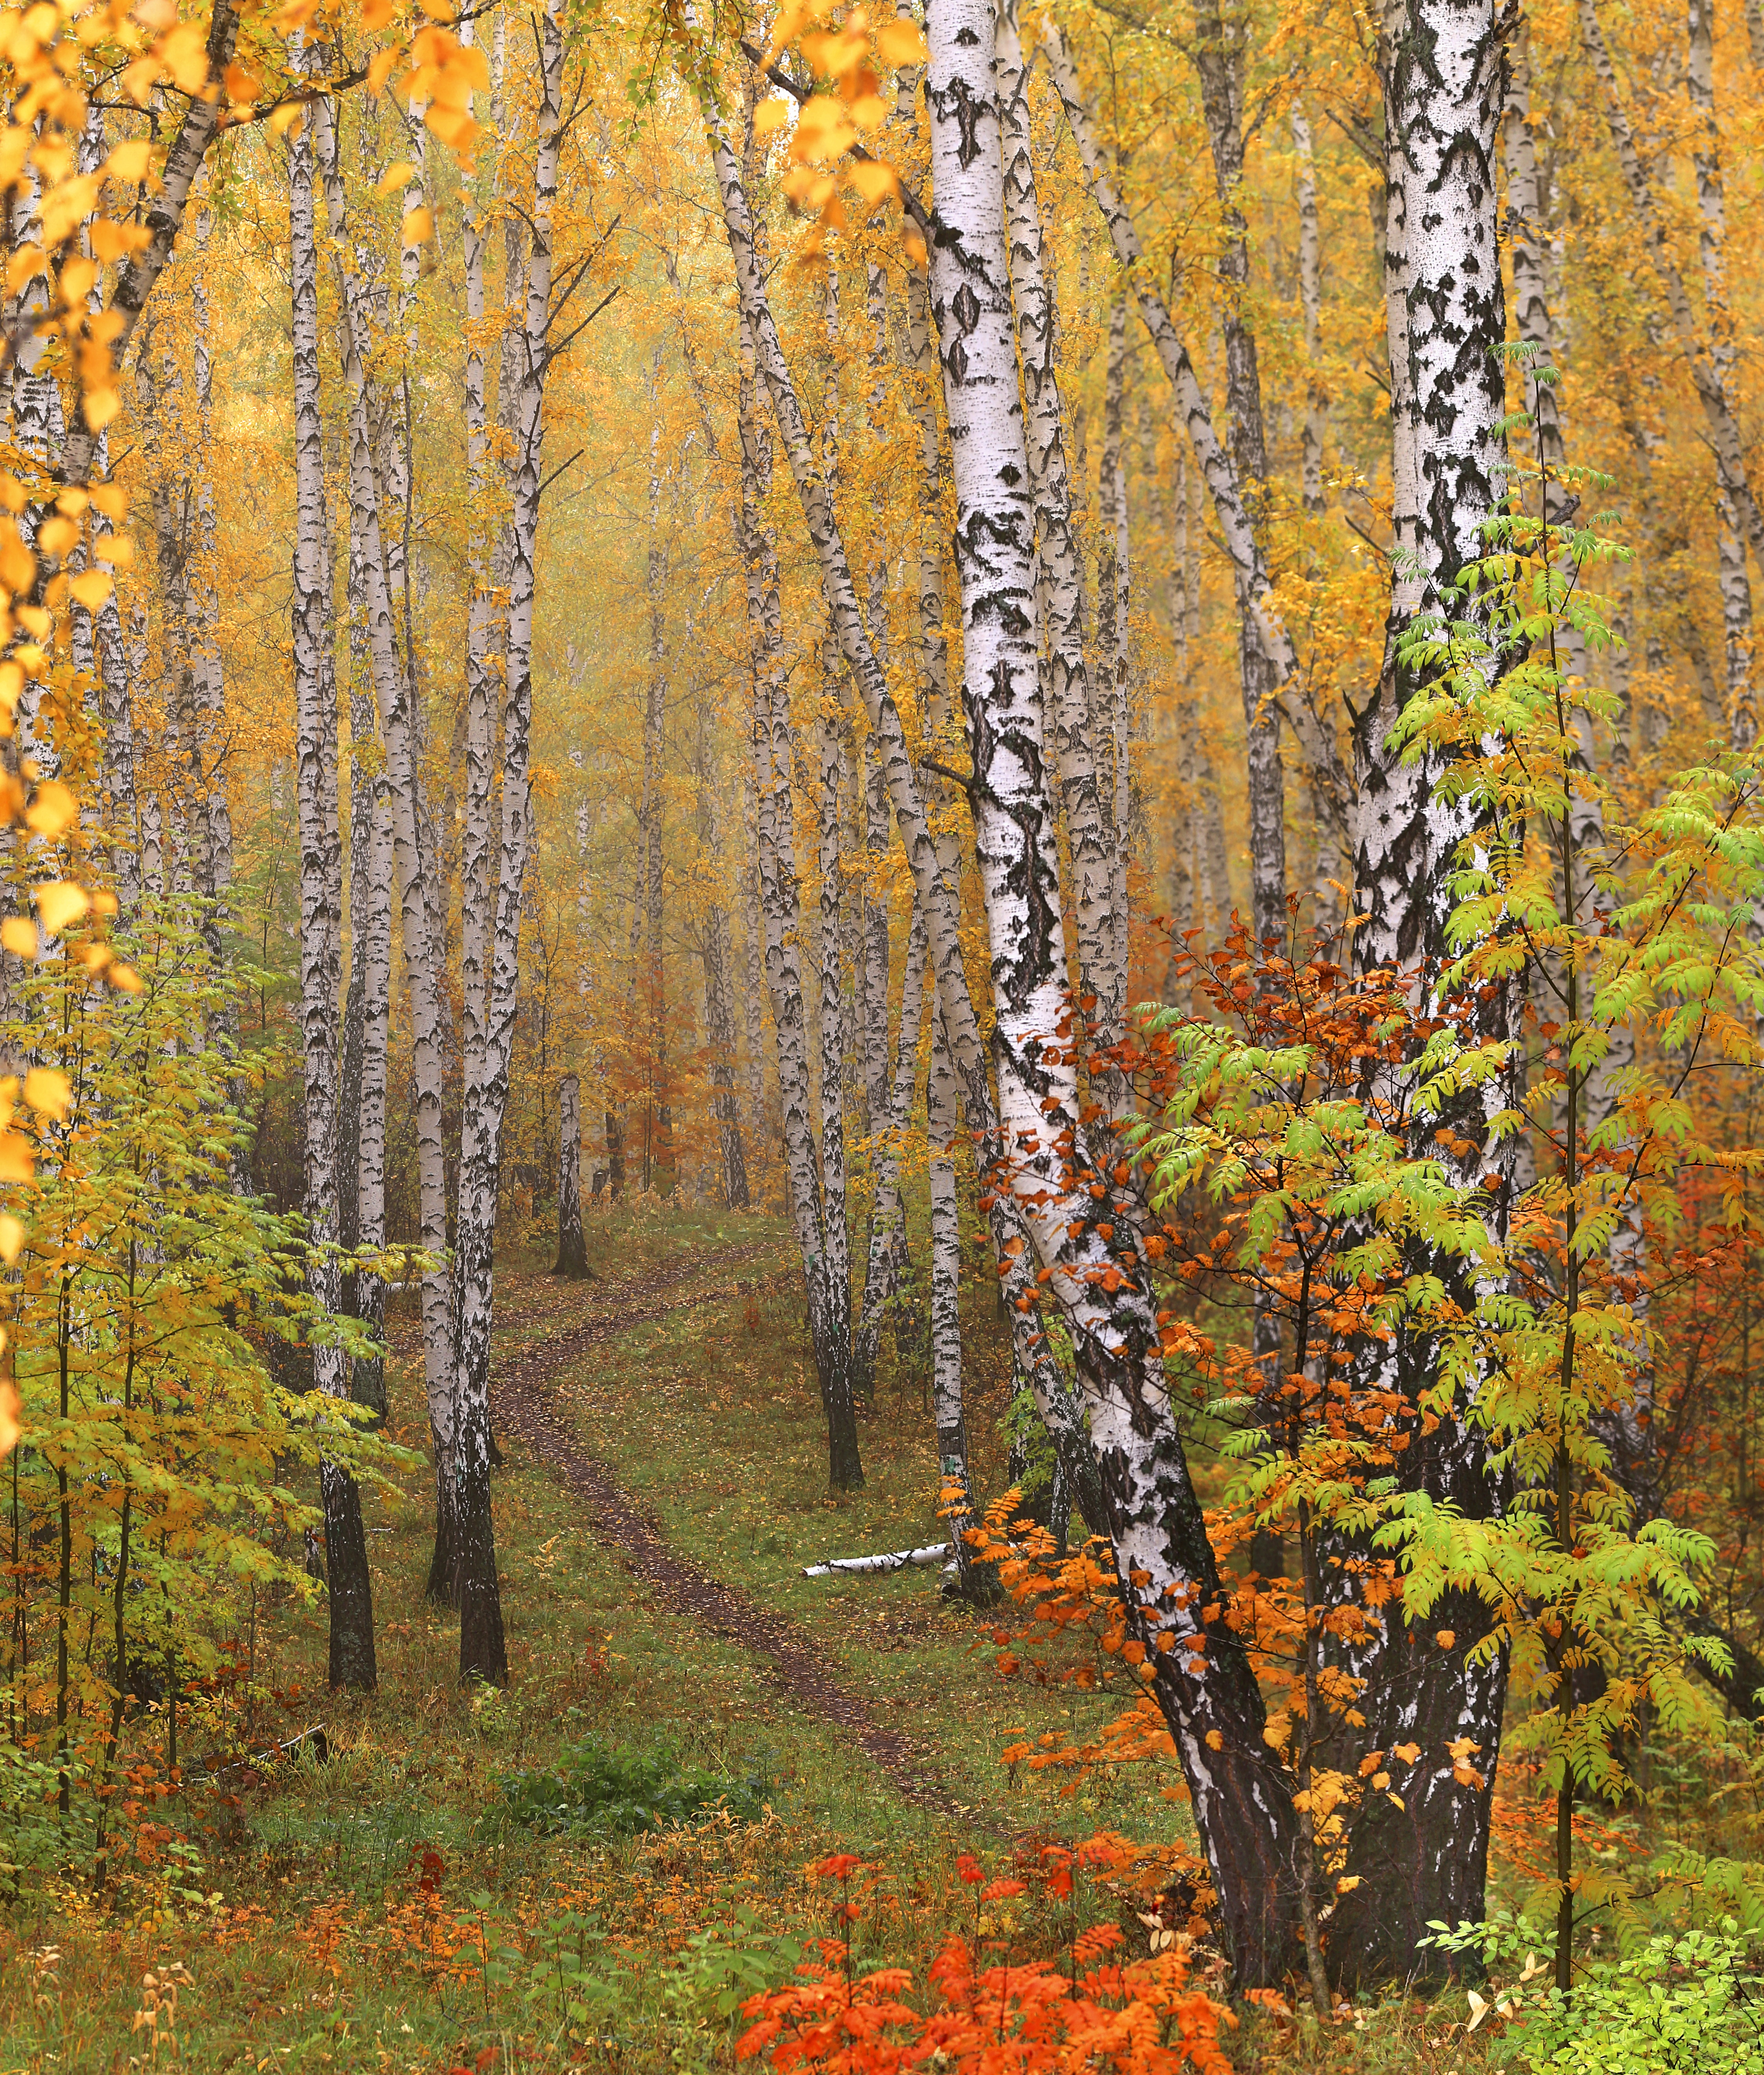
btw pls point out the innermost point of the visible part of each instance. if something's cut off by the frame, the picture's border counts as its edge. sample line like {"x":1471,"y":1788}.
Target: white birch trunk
{"x":350,"y":1594}
{"x":398,"y":736}
{"x":571,"y":1250}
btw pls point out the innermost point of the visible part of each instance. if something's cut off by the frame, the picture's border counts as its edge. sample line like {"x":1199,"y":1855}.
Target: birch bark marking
{"x":846,"y":1465}
{"x":350,"y":1591}
{"x":934,"y":886}
{"x":399,"y":739}
{"x":1428,"y":1861}
{"x":1232,"y":507}
{"x":719,"y":988}
{"x":572,"y":1248}
{"x":1204,"y":1684}
{"x":1311,"y":308}
{"x":483,"y":1653}
{"x":1087,"y":826}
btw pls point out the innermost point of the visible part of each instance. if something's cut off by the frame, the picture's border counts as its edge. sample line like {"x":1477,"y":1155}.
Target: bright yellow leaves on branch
{"x":833,"y":122}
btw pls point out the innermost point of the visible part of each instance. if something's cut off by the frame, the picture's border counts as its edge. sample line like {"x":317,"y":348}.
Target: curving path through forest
{"x":523,"y":1407}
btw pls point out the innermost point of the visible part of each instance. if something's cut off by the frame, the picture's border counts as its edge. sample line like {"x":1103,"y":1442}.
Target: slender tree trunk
{"x":572,"y":1251}
{"x":1089,"y":832}
{"x":483,"y":1653}
{"x":399,"y":738}
{"x":351,"y":1597}
{"x":1274,"y":669}
{"x":881,"y":1280}
{"x":719,"y":996}
{"x":1310,"y":447}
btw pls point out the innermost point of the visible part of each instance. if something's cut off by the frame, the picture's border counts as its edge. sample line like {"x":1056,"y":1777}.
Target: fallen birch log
{"x":891,"y":1560}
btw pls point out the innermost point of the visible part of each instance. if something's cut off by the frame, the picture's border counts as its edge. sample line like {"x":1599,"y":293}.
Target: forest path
{"x":522,"y":1406}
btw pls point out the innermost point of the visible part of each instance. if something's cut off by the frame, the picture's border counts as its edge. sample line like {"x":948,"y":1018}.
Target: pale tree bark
{"x":836,"y":1292}
{"x":350,"y":1591}
{"x":212,"y":747}
{"x":887,"y":1240}
{"x":1718,"y":404}
{"x":956,"y":1493}
{"x":718,"y":990}
{"x":1310,"y":310}
{"x":753,"y":934}
{"x":657,"y":1133}
{"x":400,"y":742}
{"x":366,"y":1022}
{"x":1712,"y":245}
{"x":1055,"y":1401}
{"x":1272,"y":670}
{"x":572,"y":1250}
{"x":1203,"y":1684}
{"x":1115,"y":617}
{"x":1088,"y":823}
{"x":483,"y":1652}
{"x":1426,"y":1860}
{"x":781,"y":903}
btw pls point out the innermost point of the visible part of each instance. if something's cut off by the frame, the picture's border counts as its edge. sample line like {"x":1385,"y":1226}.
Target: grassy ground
{"x":379,"y":1911}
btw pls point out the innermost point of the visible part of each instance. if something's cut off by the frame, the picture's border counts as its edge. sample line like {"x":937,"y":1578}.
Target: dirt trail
{"x":523,"y":1408}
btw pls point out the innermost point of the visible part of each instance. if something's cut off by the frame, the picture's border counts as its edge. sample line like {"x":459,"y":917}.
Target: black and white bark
{"x":399,"y":743}
{"x":572,"y":1250}
{"x":1089,"y":824}
{"x":1426,"y":1860}
{"x":719,"y":988}
{"x":350,"y":1591}
{"x":482,"y":1651}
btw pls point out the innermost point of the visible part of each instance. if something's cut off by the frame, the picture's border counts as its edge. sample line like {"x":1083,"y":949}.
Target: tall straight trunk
{"x":718,"y":991}
{"x":1736,"y":587}
{"x":1233,"y":480}
{"x":207,"y":675}
{"x":753,"y":956}
{"x":781,"y":907}
{"x":1700,"y":346}
{"x":956,"y":1492}
{"x":836,"y":1290}
{"x":1205,"y":1685}
{"x":1055,"y":1401}
{"x":350,"y":1590}
{"x":572,"y":1250}
{"x":1426,"y":1860}
{"x":1310,"y":437}
{"x":399,"y":740}
{"x":366,"y":1024}
{"x":483,"y":1652}
{"x":887,"y":1236}
{"x":1089,"y":822}
{"x":657,"y":1151}
{"x":1116,"y":684}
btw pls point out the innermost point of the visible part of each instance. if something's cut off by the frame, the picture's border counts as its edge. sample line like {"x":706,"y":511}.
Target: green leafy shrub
{"x":1690,"y":2003}
{"x":597,"y":1787}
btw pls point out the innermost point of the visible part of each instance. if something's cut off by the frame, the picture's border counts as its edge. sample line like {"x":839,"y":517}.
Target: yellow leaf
{"x":418,"y":227}
{"x":11,"y":1237}
{"x":874,"y":181}
{"x":53,"y":809}
{"x":1215,"y":1740}
{"x":59,"y":903}
{"x":1347,"y":1884}
{"x":10,"y":1410}
{"x":395,"y":177}
{"x":912,"y":245}
{"x":184,"y":54}
{"x":110,"y":241}
{"x":769,"y":117}
{"x":124,"y":979}
{"x":292,"y":115}
{"x":19,"y":935}
{"x":1408,"y":1752}
{"x":379,"y":70}
{"x":869,"y":111}
{"x":49,"y":1090}
{"x":91,"y":588}
{"x":16,"y":1164}
{"x":1446,"y":1638}
{"x":129,"y":161}
{"x":900,"y":43}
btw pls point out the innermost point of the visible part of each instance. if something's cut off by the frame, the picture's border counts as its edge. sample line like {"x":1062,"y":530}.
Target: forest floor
{"x":386,"y":1908}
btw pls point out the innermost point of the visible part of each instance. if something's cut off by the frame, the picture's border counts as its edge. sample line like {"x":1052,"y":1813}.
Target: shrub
{"x":597,"y":1787}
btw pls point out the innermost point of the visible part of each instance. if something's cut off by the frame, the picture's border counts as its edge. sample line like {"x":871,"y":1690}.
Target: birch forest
{"x":882,"y":984}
